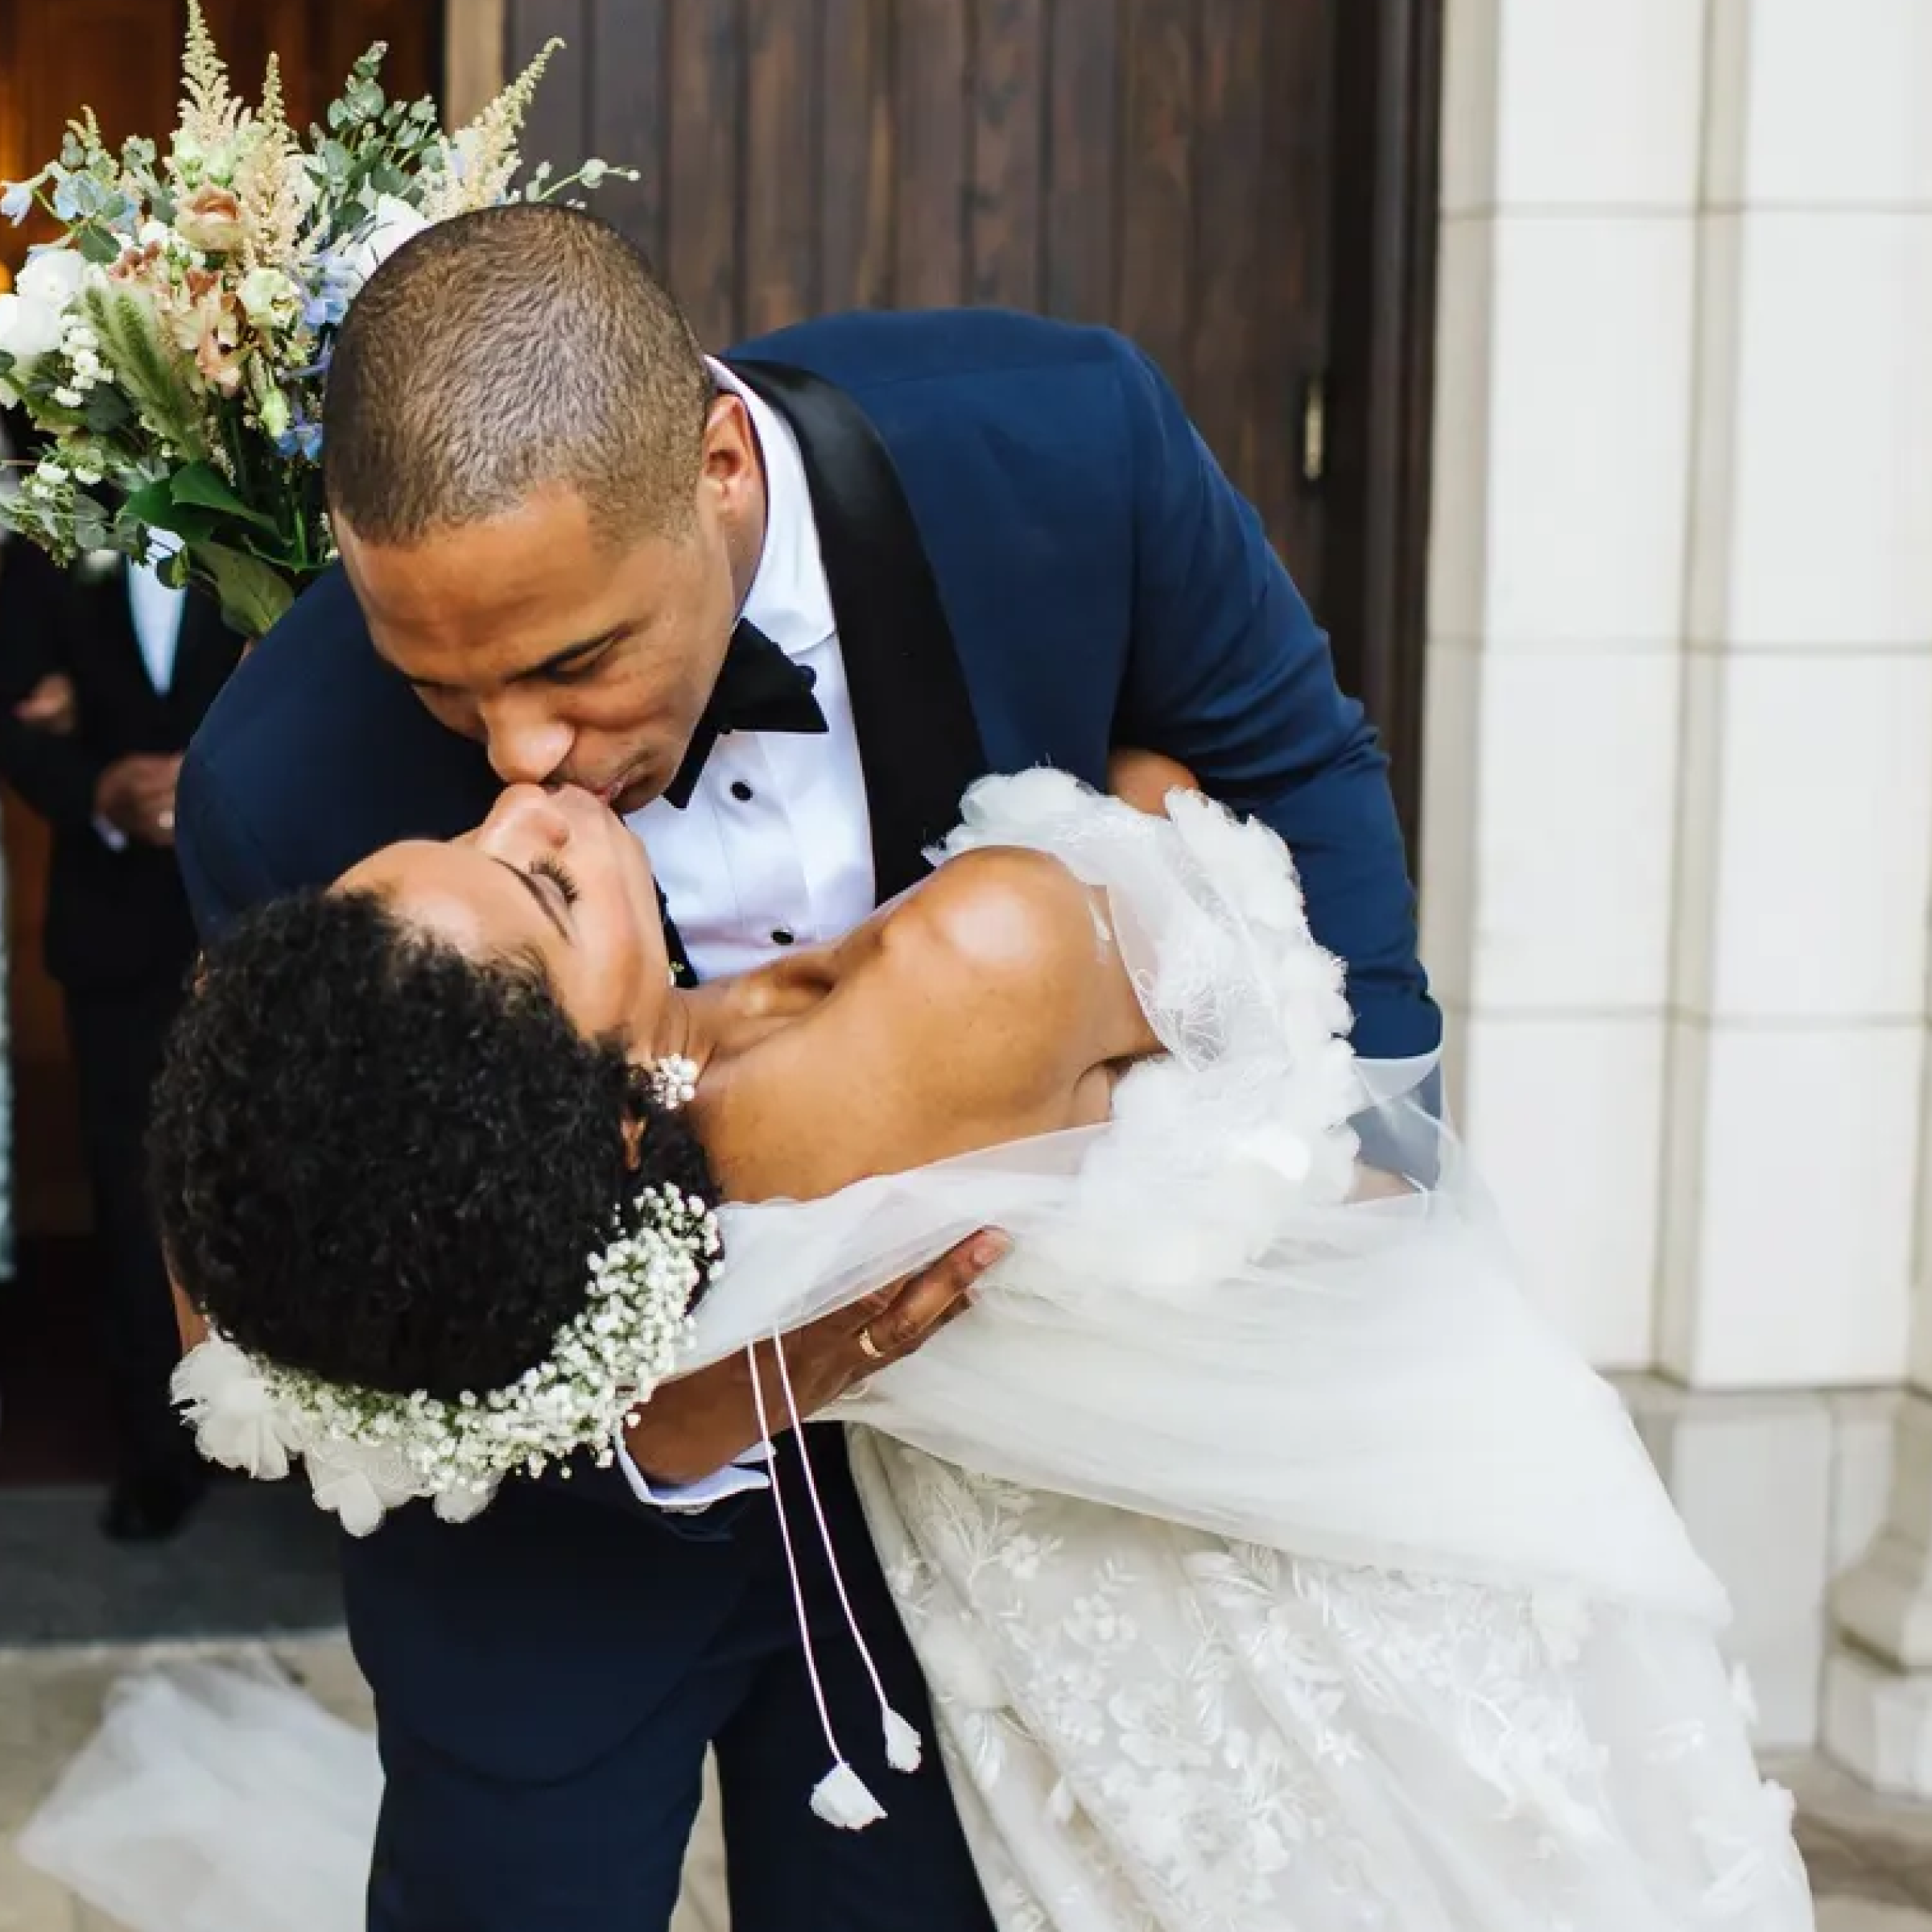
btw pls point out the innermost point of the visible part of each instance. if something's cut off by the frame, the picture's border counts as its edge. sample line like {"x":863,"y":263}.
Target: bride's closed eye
{"x":551,"y":869}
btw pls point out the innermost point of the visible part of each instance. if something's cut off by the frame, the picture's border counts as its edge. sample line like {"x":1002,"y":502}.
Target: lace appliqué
{"x":1162,"y":1730}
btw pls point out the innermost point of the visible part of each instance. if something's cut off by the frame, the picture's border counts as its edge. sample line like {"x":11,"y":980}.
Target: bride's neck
{"x":711,"y":1024}
{"x":679,"y":1031}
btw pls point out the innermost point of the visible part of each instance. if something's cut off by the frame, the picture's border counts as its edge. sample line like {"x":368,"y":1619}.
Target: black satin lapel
{"x":683,"y":972}
{"x":918,"y":739}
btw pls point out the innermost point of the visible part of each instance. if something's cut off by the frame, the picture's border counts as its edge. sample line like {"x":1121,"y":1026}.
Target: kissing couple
{"x":811,"y":1100}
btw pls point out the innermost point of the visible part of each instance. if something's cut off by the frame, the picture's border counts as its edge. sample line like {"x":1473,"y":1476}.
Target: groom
{"x":782,"y":609}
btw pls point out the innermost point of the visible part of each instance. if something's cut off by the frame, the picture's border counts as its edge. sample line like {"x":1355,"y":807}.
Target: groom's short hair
{"x":498,"y":352}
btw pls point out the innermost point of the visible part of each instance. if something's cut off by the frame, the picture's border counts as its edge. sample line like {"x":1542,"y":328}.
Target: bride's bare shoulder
{"x":1008,"y":938}
{"x":997,"y":910}
{"x":978,"y":1008}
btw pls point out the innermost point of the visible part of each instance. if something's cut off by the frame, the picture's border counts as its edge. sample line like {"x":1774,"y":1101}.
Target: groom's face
{"x":576,"y":659}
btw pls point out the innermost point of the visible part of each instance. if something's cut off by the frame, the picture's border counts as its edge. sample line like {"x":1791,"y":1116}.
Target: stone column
{"x":1678,"y":785}
{"x":1805,"y":862}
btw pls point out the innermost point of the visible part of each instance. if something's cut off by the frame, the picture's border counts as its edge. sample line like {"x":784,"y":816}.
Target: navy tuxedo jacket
{"x":1033,"y":558}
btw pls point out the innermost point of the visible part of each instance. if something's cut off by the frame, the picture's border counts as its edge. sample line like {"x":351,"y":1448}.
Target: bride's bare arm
{"x":1144,"y":778}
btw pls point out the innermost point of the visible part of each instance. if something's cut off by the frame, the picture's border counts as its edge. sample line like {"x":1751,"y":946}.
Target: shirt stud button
{"x":740,"y":790}
{"x":784,"y":936}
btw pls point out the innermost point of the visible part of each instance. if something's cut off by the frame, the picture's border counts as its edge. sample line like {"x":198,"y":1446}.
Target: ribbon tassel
{"x":841,"y":1799}
{"x":904,"y":1751}
{"x":904,"y":1748}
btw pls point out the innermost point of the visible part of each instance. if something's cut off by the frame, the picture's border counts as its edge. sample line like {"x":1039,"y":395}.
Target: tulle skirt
{"x":215,"y":1799}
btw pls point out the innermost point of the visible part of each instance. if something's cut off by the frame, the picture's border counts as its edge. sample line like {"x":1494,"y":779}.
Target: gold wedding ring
{"x":868,"y":1347}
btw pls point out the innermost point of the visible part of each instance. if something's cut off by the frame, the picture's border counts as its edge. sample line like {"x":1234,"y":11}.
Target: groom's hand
{"x":694,"y":1426}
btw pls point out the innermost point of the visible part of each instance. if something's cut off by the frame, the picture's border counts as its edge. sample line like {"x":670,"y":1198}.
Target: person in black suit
{"x":107,"y":672}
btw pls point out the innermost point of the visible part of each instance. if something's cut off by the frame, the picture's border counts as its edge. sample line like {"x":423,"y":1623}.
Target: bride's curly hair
{"x":378,"y":1161}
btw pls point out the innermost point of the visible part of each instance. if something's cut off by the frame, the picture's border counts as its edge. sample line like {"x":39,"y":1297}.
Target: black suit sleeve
{"x":57,"y":776}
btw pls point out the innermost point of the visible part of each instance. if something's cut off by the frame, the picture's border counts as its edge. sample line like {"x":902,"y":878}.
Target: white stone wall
{"x":1677,"y":848}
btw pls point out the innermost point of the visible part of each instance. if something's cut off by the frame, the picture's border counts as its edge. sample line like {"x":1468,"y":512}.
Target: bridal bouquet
{"x":172,"y":344}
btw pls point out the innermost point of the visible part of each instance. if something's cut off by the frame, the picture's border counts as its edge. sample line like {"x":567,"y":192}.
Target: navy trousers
{"x":602,"y":1847}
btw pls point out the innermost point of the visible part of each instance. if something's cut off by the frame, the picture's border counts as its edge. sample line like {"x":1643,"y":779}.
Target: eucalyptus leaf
{"x":90,"y":524}
{"x":97,"y":244}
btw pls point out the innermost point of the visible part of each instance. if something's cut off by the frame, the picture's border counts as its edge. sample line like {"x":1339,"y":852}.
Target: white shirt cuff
{"x":110,"y":835}
{"x":735,"y":1479}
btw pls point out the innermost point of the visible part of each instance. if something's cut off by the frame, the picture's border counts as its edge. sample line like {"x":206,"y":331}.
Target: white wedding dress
{"x":1274,"y":1567}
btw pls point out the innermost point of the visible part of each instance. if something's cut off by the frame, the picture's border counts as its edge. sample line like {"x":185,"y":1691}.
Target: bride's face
{"x":553,"y":878}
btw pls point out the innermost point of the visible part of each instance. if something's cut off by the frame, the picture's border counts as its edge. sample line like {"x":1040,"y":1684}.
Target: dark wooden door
{"x":1161,"y":165}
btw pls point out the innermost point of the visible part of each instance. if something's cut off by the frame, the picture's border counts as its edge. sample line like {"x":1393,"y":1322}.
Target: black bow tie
{"x":758,"y":689}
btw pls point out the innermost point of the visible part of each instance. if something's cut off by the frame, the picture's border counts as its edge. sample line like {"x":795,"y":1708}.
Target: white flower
{"x":391,"y":223}
{"x":233,"y":1411}
{"x":31,"y":318}
{"x":351,"y":1493}
{"x":957,"y":1663}
{"x":17,"y":204}
{"x":461,"y":1501}
{"x":267,"y":296}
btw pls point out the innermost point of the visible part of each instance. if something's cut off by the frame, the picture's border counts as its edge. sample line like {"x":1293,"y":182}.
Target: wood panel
{"x":1007,"y":132}
{"x":857,"y":190}
{"x":625,"y":121}
{"x":1162,"y":166}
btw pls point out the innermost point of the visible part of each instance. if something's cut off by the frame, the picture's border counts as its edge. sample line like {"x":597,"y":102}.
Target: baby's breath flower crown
{"x":367,"y":1451}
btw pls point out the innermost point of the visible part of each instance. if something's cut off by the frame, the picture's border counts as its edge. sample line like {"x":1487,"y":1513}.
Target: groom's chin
{"x":630,"y":794}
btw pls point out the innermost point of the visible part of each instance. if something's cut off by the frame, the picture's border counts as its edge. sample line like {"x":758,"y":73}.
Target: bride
{"x":1271,"y":1564}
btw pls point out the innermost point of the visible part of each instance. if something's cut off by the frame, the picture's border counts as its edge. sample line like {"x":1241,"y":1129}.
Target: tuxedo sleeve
{"x":57,"y":774}
{"x":1229,"y":673}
